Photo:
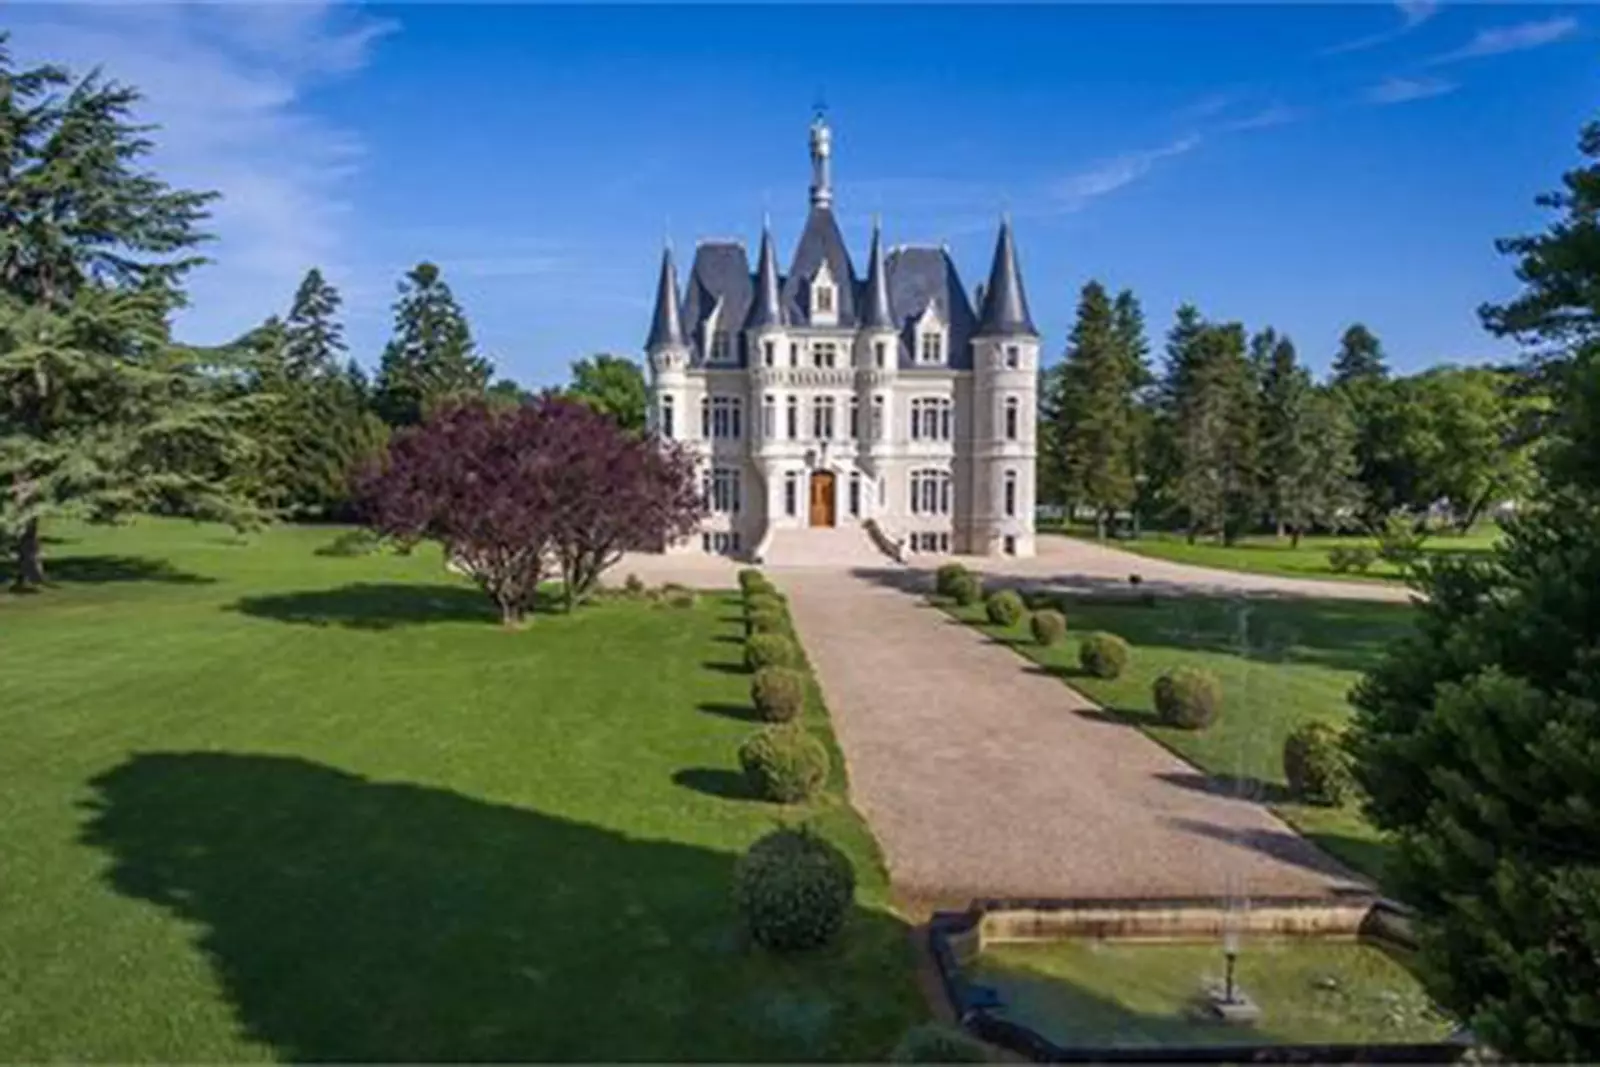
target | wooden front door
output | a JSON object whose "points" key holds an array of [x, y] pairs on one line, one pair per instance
{"points": [[822, 498]]}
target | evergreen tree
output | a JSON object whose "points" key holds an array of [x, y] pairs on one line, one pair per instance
{"points": [[1478, 738], [1360, 357], [1161, 400], [1096, 428], [431, 358], [1216, 432], [99, 411], [313, 335]]}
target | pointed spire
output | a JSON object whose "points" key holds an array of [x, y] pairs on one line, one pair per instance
{"points": [[666, 329], [876, 315], [766, 309], [1005, 305]]}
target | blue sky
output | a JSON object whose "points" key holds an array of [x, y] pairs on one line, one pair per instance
{"points": [[1296, 165]]}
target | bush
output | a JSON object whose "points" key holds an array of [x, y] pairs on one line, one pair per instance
{"points": [[750, 579], [792, 890], [362, 542], [679, 596], [1399, 542], [1188, 697], [779, 693], [633, 586], [1316, 765], [967, 590], [1048, 626], [1103, 655], [1004, 607], [767, 622], [762, 602], [938, 1043], [946, 577], [783, 763], [1356, 558], [770, 650]]}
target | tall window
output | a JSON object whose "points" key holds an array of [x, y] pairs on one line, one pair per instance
{"points": [[769, 416], [725, 417], [855, 493], [1011, 495], [825, 299], [930, 492], [793, 416], [791, 493], [1012, 413], [794, 353], [823, 353], [932, 348], [877, 417], [720, 348], [930, 418], [721, 487], [769, 352], [822, 418], [705, 416], [667, 419], [880, 352], [855, 417]]}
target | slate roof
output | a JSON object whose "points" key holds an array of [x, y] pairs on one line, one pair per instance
{"points": [[875, 310], [766, 305], [721, 270], [666, 328], [917, 276], [1005, 305], [818, 242]]}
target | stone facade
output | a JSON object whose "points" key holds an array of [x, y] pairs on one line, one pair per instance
{"points": [[817, 398]]}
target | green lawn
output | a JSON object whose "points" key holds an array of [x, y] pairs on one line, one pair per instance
{"points": [[265, 804], [1097, 994], [1281, 662], [1268, 555]]}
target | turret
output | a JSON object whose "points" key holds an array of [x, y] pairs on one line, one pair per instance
{"points": [[1005, 305], [668, 353], [666, 325]]}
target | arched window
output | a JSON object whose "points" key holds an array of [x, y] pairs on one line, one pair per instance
{"points": [[769, 416], [793, 416], [1013, 415]]}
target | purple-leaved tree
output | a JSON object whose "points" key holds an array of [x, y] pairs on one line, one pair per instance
{"points": [[549, 488]]}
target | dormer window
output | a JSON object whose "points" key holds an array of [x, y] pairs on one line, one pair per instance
{"points": [[719, 347], [932, 350], [824, 296], [930, 346]]}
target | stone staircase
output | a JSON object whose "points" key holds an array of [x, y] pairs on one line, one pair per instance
{"points": [[840, 547]]}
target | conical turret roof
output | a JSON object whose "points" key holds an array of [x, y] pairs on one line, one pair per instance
{"points": [[666, 327], [1005, 305], [875, 313], [766, 305]]}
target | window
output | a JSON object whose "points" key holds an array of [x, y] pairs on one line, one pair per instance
{"points": [[1010, 544], [855, 417], [824, 300], [1011, 495], [791, 493], [930, 541], [880, 352], [720, 543], [769, 416], [930, 418], [724, 417], [666, 416], [768, 352], [721, 487], [1011, 418], [793, 413], [932, 348], [794, 353], [930, 492], [855, 493], [822, 418], [719, 347], [705, 416], [1013, 356], [823, 353], [877, 417]]}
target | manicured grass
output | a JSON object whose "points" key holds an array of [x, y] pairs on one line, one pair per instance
{"points": [[264, 804], [1281, 662], [1268, 555], [1095, 994]]}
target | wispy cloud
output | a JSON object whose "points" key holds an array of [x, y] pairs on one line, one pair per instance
{"points": [[1413, 13], [224, 83], [1076, 191], [1206, 107], [1272, 115], [1405, 90], [1519, 37]]}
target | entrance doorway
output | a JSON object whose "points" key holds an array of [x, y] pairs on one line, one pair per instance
{"points": [[822, 498]]}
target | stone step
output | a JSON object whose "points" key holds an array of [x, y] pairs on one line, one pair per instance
{"points": [[842, 546]]}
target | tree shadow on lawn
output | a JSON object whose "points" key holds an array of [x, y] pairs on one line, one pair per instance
{"points": [[107, 569], [737, 712], [380, 606], [361, 921], [715, 782]]}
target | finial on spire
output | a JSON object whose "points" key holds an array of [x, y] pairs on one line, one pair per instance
{"points": [[821, 150]]}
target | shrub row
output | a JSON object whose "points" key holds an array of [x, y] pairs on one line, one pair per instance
{"points": [[781, 762]]}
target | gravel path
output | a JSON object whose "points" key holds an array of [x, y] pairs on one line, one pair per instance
{"points": [[983, 777]]}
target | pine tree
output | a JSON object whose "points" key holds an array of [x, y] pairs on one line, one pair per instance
{"points": [[1360, 357], [1307, 445], [1096, 431], [431, 358], [100, 412], [1161, 396], [313, 335], [1478, 738], [1216, 433]]}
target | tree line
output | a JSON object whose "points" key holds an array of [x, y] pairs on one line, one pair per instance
{"points": [[1233, 435]]}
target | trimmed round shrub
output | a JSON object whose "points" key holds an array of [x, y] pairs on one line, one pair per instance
{"points": [[1004, 607], [1188, 697], [750, 579], [1103, 655], [779, 693], [762, 602], [792, 890], [945, 578], [1048, 625], [770, 650], [783, 763], [938, 1043], [1316, 765], [767, 622], [967, 590]]}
